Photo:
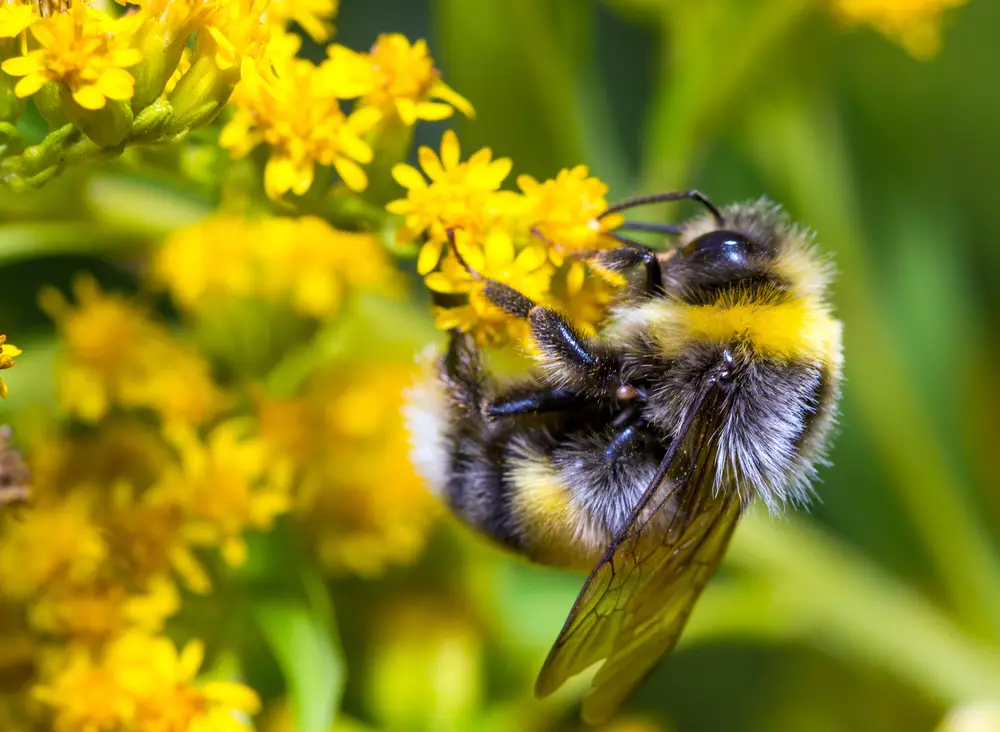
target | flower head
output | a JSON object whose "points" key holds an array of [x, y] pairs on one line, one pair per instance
{"points": [[312, 15], [85, 50], [8, 352], [915, 24], [226, 484], [363, 507], [526, 271], [15, 17], [567, 210], [114, 354], [459, 196], [407, 84], [302, 262], [140, 681], [293, 107]]}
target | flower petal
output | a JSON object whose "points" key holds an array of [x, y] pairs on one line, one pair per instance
{"points": [[408, 177], [450, 150], [351, 173]]}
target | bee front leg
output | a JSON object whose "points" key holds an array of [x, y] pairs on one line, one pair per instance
{"points": [[569, 359]]}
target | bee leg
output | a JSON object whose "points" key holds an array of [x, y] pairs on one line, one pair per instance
{"points": [[518, 401], [463, 373], [568, 357], [630, 254]]}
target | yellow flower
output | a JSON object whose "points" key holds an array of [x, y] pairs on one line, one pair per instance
{"points": [[312, 15], [85, 50], [565, 210], [227, 484], [460, 195], [302, 262], [141, 682], [15, 17], [8, 352], [407, 84], [113, 354], [914, 24], [48, 544], [103, 610], [293, 106], [236, 33], [526, 271], [359, 500]]}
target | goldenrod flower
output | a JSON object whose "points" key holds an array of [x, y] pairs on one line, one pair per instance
{"points": [[141, 682], [915, 24], [565, 210], [526, 271], [293, 106], [15, 17], [302, 262], [227, 484], [363, 506], [8, 352], [406, 83], [57, 543], [236, 32], [312, 15], [85, 50], [460, 195], [114, 354]]}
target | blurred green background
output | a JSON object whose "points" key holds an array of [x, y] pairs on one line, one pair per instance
{"points": [[880, 610]]}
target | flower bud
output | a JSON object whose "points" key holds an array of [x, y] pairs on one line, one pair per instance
{"points": [[161, 53], [108, 126], [200, 94]]}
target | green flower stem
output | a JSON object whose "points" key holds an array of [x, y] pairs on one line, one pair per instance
{"points": [[806, 585], [705, 86], [810, 166]]}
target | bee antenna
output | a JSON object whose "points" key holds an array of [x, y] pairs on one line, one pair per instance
{"points": [[663, 198], [458, 255]]}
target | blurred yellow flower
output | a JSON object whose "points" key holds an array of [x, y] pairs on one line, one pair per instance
{"points": [[293, 106], [141, 682], [915, 24], [85, 50], [312, 15], [303, 262], [8, 352], [114, 354], [227, 484], [565, 210], [406, 83], [358, 497], [460, 195], [16, 16], [51, 544]]}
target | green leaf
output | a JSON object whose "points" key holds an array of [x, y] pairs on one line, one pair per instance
{"points": [[307, 651]]}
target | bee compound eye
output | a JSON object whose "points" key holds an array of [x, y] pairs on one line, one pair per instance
{"points": [[721, 247]]}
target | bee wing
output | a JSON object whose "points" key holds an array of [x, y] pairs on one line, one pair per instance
{"points": [[637, 599]]}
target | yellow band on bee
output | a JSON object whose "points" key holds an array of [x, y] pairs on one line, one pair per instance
{"points": [[793, 329]]}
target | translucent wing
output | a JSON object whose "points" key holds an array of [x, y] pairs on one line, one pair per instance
{"points": [[637, 599]]}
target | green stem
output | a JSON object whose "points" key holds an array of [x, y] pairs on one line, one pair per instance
{"points": [[810, 165], [807, 585], [706, 85]]}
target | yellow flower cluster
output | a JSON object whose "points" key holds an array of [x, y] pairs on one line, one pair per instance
{"points": [[114, 355], [303, 263], [141, 682], [914, 24], [295, 108], [358, 498], [8, 352], [534, 241]]}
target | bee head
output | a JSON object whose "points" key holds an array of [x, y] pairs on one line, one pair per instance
{"points": [[737, 255]]}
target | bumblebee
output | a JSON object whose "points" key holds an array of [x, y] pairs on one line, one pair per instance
{"points": [[633, 454]]}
